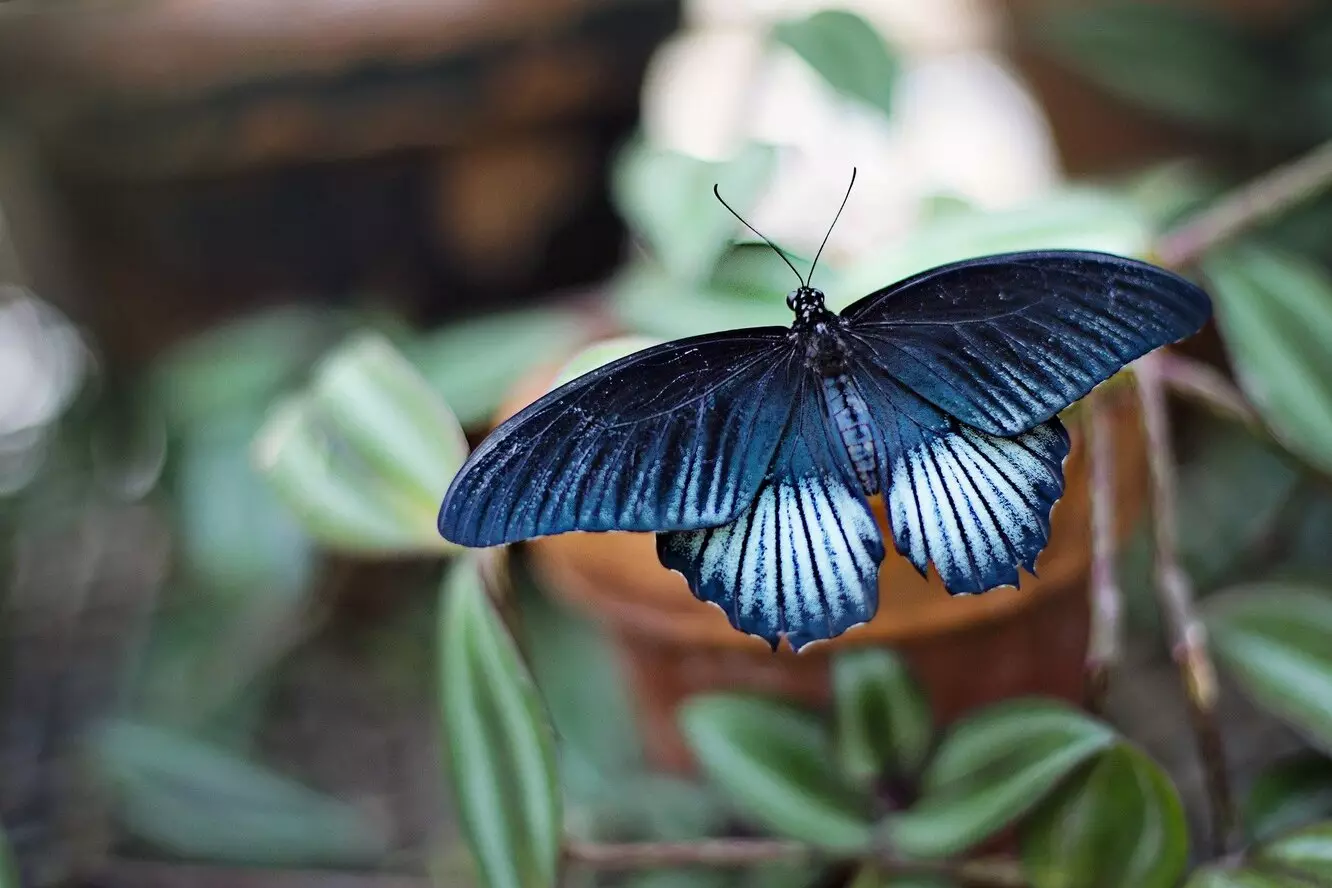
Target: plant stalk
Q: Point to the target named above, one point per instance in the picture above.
(1103, 652)
(1261, 199)
(1188, 635)
(1200, 382)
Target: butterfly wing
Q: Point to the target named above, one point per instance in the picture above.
(672, 437)
(803, 560)
(976, 505)
(1005, 342)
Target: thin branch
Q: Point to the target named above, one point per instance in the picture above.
(1188, 636)
(1103, 652)
(996, 872)
(1259, 200)
(1200, 382)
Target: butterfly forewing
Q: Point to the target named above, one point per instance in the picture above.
(1005, 342)
(677, 436)
(803, 560)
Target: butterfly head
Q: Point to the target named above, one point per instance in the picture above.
(806, 302)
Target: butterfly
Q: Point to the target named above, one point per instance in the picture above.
(753, 454)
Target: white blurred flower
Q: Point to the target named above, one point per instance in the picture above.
(42, 362)
(963, 124)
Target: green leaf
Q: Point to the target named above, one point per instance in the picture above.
(750, 271)
(666, 197)
(501, 748)
(242, 365)
(681, 878)
(649, 301)
(1290, 793)
(884, 723)
(586, 695)
(847, 53)
(1186, 63)
(338, 499)
(1273, 638)
(1073, 218)
(209, 663)
(194, 800)
(1220, 877)
(1119, 822)
(237, 539)
(387, 413)
(784, 875)
(475, 364)
(1307, 853)
(8, 868)
(643, 806)
(776, 762)
(990, 770)
(1275, 314)
(870, 876)
(600, 353)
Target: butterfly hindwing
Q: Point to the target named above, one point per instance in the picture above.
(803, 560)
(976, 505)
(1005, 342)
(673, 437)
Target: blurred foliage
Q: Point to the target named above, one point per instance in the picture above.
(355, 427)
(501, 748)
(474, 364)
(1294, 791)
(198, 801)
(847, 52)
(8, 870)
(1119, 824)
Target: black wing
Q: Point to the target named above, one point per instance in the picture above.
(674, 437)
(803, 560)
(976, 505)
(1005, 342)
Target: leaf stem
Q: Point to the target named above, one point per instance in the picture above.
(996, 872)
(1250, 204)
(1188, 636)
(1200, 382)
(1103, 651)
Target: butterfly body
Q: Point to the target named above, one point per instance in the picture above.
(752, 454)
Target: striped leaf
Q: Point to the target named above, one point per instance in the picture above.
(501, 749)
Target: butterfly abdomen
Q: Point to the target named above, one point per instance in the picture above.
(851, 418)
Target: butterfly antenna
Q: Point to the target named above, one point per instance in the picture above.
(834, 223)
(717, 193)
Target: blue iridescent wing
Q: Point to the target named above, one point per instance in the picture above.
(976, 505)
(1006, 342)
(673, 437)
(803, 560)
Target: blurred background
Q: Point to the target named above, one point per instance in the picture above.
(203, 199)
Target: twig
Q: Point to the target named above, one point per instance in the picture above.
(1175, 593)
(120, 872)
(997, 872)
(1107, 601)
(1264, 197)
(1199, 382)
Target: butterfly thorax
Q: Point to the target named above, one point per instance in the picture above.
(820, 333)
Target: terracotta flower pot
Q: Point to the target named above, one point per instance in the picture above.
(967, 652)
